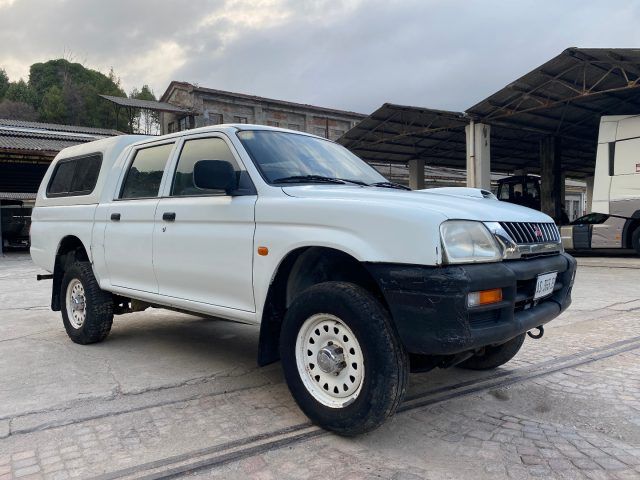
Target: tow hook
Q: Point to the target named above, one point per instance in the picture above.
(536, 335)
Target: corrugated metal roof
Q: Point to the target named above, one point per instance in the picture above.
(58, 127)
(564, 97)
(398, 133)
(42, 143)
(48, 138)
(17, 196)
(145, 104)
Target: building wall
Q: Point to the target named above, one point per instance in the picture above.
(213, 109)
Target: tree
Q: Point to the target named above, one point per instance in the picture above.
(17, 110)
(19, 92)
(80, 88)
(145, 121)
(4, 83)
(53, 108)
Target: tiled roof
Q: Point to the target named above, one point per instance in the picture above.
(255, 98)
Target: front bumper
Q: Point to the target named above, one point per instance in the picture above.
(429, 304)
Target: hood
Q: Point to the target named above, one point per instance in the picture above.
(461, 192)
(451, 205)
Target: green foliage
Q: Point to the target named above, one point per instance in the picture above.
(145, 121)
(75, 98)
(4, 83)
(19, 92)
(53, 107)
(60, 91)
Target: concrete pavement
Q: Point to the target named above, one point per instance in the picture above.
(167, 389)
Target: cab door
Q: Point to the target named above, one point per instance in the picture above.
(203, 239)
(128, 235)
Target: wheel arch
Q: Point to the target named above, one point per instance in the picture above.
(70, 248)
(300, 269)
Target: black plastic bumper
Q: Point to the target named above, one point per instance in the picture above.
(429, 304)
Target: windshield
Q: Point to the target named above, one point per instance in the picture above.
(284, 157)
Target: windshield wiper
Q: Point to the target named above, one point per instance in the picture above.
(389, 185)
(308, 178)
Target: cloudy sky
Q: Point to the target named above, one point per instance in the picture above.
(352, 54)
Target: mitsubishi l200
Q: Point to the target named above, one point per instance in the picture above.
(352, 280)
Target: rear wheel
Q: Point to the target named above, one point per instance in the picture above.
(87, 312)
(341, 358)
(493, 357)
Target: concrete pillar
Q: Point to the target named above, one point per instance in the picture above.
(589, 202)
(258, 115)
(416, 174)
(552, 180)
(478, 155)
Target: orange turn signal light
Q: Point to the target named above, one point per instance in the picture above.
(484, 297)
(264, 251)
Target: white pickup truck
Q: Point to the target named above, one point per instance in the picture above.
(352, 279)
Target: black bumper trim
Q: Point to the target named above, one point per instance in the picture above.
(429, 304)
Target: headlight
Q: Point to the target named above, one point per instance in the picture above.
(465, 241)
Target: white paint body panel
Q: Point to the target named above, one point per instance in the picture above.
(206, 261)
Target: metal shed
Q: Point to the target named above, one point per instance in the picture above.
(544, 122)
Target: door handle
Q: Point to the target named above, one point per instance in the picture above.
(115, 217)
(169, 216)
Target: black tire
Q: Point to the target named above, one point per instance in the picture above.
(385, 361)
(635, 240)
(493, 357)
(99, 305)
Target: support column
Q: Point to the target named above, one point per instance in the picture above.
(589, 201)
(416, 174)
(478, 155)
(552, 180)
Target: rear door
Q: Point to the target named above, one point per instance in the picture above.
(203, 239)
(128, 241)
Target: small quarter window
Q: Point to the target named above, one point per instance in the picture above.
(194, 150)
(75, 176)
(145, 174)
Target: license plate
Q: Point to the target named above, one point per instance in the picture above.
(545, 284)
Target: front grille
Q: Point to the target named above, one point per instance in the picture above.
(526, 232)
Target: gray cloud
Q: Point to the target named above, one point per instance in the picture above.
(353, 55)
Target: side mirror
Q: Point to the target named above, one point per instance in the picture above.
(215, 175)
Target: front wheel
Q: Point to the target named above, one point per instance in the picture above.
(341, 358)
(87, 312)
(494, 356)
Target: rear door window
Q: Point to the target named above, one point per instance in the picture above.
(145, 173)
(75, 176)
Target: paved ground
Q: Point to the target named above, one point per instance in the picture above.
(175, 394)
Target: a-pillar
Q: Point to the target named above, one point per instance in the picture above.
(478, 155)
(552, 180)
(416, 174)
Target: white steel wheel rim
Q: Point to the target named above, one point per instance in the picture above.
(319, 335)
(76, 303)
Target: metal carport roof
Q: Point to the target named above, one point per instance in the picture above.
(564, 97)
